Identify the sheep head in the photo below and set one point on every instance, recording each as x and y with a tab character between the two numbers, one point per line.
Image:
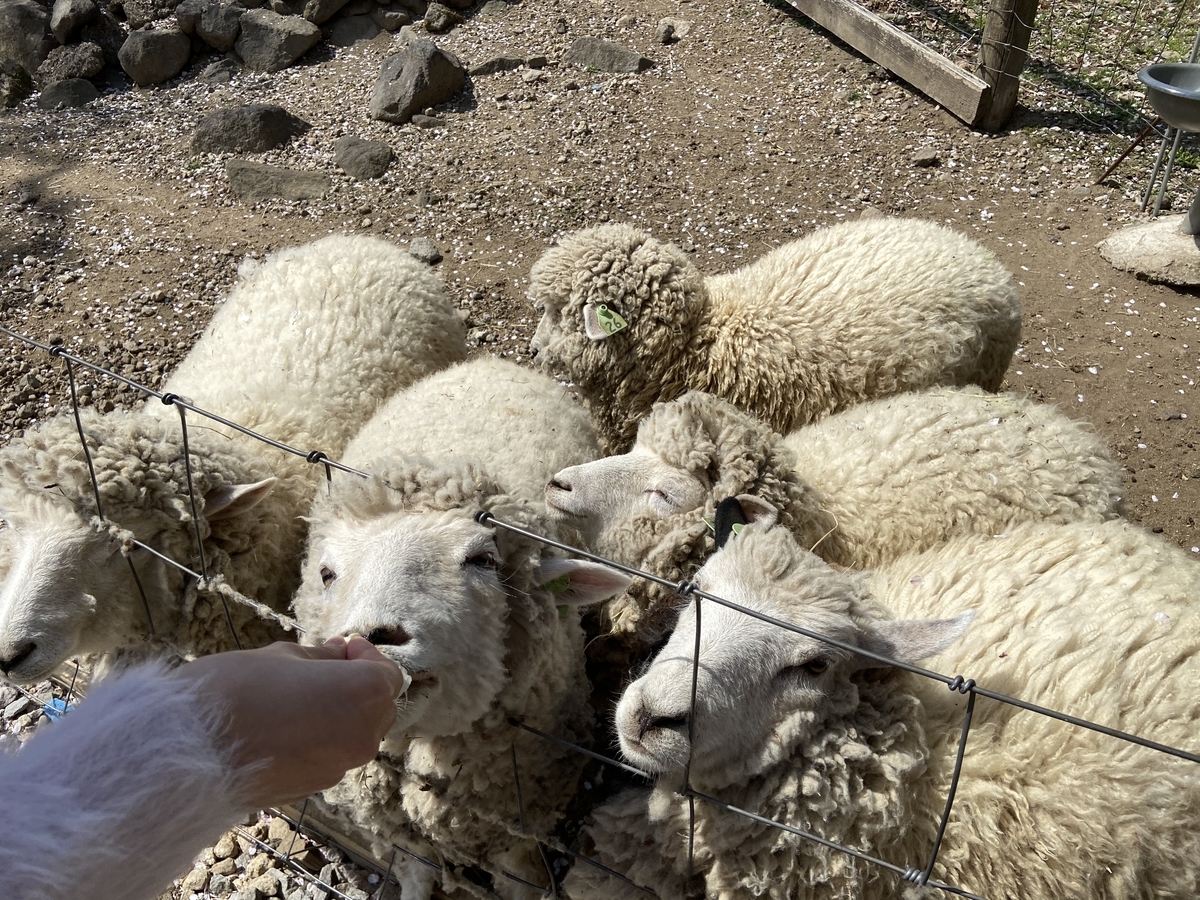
618	312
401	559
649	507
762	691
67	589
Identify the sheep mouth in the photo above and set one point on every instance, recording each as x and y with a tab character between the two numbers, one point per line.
561	513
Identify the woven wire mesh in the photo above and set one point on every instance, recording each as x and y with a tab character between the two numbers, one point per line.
916	874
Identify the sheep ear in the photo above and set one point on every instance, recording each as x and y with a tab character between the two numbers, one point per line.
235	499
577	582
730	520
908	640
758	510
600	322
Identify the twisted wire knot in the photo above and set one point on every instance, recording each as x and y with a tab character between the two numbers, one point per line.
315	456
685	588
169	399
913	876
962	685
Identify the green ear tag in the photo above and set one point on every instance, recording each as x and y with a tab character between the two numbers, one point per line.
737	528
611	322
558	585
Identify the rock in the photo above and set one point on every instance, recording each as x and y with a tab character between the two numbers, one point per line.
439	19
536	62
926	158
258	864
390	18
15	84
270	42
226	847
318	11
496	65
671	30
605	56
280	833
68	94
219	886
25	36
267	885
253	182
247	129
75	61
18	706
422	121
219	25
350	30
68	16
310	859
226	867
456	4
152	57
359	7
188	13
419	76
425	250
361	159
106	32
1157	251
493	8
220	72
195	881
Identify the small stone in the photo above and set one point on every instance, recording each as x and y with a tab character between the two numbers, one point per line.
258	864
536	62
195	881
226	847
266	884
19	705
440	19
70	93
926	158
280	833
495	66
605	56
225	867
219	885
560	27
309	859
493	8
427	121
425	250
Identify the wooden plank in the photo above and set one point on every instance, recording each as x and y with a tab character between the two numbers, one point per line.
953	88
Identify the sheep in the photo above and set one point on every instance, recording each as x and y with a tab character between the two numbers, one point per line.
853	312
1097	620
861	487
468	610
304	349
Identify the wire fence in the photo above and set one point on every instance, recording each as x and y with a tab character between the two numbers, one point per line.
547	845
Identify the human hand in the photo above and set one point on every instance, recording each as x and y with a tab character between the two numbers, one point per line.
298	718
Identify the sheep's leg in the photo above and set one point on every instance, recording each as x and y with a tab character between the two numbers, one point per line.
417	881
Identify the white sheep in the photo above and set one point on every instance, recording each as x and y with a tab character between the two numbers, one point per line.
860	487
1096	620
304	349
468	610
851	312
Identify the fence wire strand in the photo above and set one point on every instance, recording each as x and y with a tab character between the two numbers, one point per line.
684	589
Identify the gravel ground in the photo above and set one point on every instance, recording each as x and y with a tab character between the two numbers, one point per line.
753	130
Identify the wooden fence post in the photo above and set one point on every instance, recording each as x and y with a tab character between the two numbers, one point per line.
1002	55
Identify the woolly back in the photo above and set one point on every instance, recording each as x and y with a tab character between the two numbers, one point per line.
730	452
653	287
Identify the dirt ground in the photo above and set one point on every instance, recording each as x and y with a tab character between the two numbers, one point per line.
751	131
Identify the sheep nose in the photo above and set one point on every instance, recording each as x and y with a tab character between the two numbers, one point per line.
388	636
647	721
22	654
560	483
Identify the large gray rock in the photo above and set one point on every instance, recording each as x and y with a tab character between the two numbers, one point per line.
391	18
152	57
70	93
188	13
247	129
361	158
74	61
439	19
605	56
25	36
350	30
254	181
106	33
420	75
270	42
219	25
1157	251
68	16
319	11
143	12
15	84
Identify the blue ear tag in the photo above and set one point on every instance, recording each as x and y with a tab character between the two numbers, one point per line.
610	321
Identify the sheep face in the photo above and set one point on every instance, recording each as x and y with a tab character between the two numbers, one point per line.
427	590
599	497
63	590
761	691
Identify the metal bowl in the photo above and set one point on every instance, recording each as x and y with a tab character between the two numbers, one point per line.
1173	90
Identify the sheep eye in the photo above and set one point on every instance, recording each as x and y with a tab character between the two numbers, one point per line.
485	560
815	666
327	576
